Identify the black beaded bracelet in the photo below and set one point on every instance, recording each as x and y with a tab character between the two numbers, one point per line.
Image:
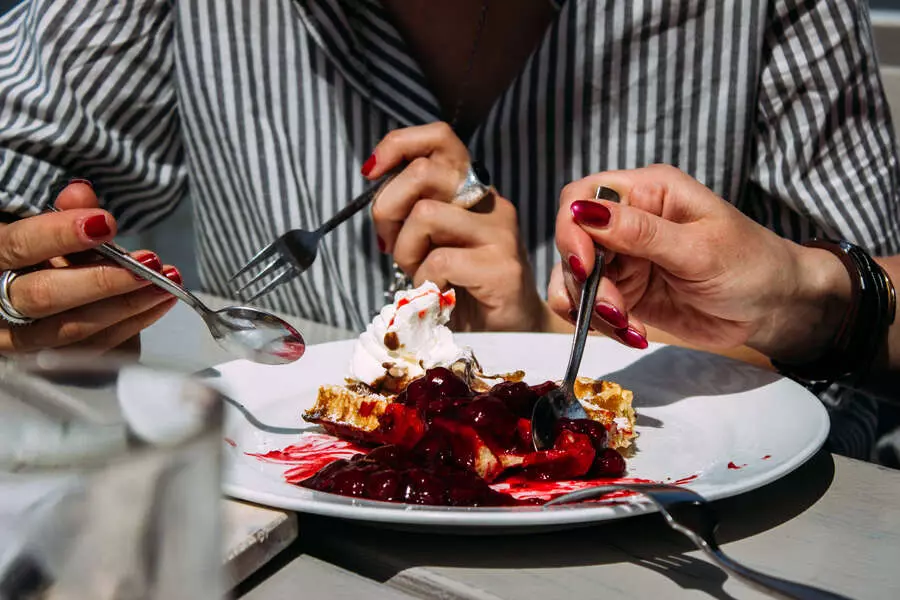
865	325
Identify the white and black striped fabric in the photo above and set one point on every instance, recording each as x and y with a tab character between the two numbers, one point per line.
262	111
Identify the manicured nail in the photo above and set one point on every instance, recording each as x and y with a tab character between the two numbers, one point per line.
577	269
590	213
151	261
173	275
79	180
368	165
611	315
381	245
632	338
96	227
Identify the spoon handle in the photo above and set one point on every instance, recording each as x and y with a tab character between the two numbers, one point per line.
123	259
583	322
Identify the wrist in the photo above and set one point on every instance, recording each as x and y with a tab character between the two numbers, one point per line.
806	319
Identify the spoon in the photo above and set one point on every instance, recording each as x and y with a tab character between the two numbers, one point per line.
242	331
561	402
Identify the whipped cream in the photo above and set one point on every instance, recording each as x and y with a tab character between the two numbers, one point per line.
408	337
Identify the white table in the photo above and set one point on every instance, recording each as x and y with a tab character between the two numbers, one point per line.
835	522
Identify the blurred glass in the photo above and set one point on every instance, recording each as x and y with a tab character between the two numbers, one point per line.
109	482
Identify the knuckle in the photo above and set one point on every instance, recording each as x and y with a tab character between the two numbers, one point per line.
378	212
666	170
392	138
70	332
40	298
444	130
567	192
424	211
17	249
104	279
420	169
134	302
439	260
644	231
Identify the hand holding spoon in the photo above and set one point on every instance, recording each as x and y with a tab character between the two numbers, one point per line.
242	331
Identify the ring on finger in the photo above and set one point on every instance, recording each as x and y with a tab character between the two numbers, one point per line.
8	312
475	186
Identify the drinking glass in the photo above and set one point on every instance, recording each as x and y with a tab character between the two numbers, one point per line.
109	482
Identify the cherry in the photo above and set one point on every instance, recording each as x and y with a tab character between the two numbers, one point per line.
350	482
389	456
446	384
384	485
434	448
517	396
592	429
417	394
608	463
542	389
490	417
423	488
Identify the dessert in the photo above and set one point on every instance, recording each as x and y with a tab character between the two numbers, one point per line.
441	431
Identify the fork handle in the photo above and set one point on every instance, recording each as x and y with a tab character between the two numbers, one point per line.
774	586
357	204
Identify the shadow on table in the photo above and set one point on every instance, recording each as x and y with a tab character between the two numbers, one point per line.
380	553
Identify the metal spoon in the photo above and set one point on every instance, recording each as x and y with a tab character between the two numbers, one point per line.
561	402
242	331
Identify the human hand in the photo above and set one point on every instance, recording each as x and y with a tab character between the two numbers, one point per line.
478	251
78	302
689	263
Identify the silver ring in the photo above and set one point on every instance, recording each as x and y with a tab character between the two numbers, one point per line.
474	187
8	312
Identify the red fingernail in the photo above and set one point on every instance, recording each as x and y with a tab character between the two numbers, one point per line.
173	275
79	180
632	338
611	315
577	269
96	227
151	261
381	245
590	213
368	165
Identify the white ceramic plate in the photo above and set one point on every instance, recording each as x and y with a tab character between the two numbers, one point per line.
722	426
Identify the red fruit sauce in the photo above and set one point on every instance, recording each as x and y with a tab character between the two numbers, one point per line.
440	443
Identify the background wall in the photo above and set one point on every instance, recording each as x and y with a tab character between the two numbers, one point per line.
173	238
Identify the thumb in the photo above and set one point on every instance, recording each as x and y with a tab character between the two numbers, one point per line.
635	232
78	194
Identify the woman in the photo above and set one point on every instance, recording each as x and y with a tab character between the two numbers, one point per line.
265	112
690	264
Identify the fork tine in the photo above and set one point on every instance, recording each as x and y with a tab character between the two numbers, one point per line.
283	277
276	263
257	258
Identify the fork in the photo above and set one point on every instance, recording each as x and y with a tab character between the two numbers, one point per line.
295	251
688	513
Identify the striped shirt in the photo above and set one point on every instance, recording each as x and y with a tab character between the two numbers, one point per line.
263	112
